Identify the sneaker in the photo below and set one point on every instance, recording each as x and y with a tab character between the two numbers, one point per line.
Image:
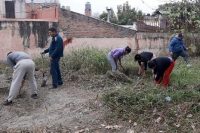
6	103
189	65
34	96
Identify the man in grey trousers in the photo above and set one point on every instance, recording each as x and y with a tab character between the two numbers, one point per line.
23	66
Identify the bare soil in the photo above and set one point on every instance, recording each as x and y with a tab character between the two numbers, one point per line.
73	107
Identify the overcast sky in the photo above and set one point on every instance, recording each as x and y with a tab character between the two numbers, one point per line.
98	6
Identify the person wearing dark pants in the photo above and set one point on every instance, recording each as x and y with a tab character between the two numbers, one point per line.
142	59
162	68
55	53
55	72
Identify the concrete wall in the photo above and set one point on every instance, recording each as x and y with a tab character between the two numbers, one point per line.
2	9
26	35
154	42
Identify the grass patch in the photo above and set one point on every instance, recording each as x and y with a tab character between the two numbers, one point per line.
94	60
183	75
140	102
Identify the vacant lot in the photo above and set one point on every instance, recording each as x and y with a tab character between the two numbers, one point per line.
93	99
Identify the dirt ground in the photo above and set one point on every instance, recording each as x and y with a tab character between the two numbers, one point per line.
70	108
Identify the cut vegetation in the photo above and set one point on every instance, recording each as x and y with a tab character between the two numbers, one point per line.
93	99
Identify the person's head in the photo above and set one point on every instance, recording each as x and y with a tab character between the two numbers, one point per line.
127	50
137	57
9	53
180	35
152	64
52	31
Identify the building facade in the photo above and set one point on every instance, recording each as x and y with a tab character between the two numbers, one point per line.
23	9
12	9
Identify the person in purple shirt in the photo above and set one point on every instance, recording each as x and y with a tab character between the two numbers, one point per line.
115	56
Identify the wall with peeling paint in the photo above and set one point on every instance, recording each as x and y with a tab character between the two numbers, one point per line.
26	35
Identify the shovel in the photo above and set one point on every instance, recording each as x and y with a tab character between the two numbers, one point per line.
44	74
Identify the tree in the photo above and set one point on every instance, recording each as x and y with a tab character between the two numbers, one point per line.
125	15
183	15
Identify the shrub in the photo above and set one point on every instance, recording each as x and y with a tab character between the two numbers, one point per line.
87	58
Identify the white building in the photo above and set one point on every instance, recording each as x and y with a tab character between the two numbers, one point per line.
12	9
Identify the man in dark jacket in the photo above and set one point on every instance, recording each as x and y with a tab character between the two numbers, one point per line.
177	48
143	59
55	53
162	68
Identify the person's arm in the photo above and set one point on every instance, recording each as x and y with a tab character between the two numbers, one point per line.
145	65
140	69
158	75
120	63
144	68
10	62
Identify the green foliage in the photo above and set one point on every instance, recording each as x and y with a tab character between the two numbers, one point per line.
104	16
138	101
131	101
125	15
182	15
91	59
183	75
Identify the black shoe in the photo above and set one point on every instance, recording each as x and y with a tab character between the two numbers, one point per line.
34	96
60	83
6	103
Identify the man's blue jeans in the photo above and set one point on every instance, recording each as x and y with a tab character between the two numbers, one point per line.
55	72
182	53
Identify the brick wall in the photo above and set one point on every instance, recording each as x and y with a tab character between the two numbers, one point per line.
49	12
80	26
